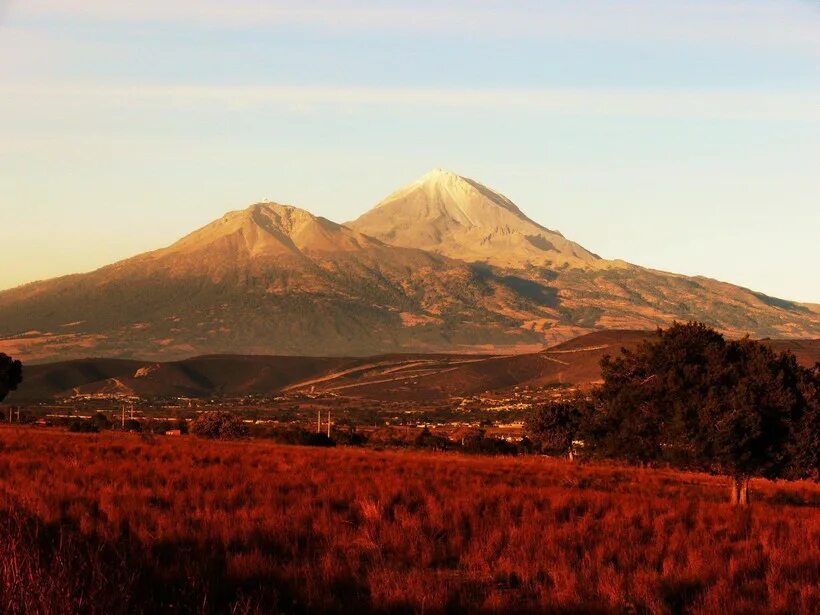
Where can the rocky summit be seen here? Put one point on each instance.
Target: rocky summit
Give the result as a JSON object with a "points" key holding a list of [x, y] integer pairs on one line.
{"points": [[459, 217]]}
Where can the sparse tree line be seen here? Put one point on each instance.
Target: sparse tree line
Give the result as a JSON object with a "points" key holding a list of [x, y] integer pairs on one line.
{"points": [[693, 400]]}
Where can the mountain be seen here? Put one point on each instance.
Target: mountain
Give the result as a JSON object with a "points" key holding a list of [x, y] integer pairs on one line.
{"points": [[275, 279], [389, 377], [261, 233], [458, 217], [268, 279]]}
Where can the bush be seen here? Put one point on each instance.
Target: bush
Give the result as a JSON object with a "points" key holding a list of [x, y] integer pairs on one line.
{"points": [[101, 421], [11, 375], [158, 426], [182, 425], [344, 432], [83, 426], [221, 425], [426, 439], [299, 437], [479, 444], [132, 425]]}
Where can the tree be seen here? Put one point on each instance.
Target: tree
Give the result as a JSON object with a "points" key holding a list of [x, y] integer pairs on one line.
{"points": [[344, 432], [747, 421], [83, 426], [182, 425], [11, 375], [804, 453], [554, 426], [479, 443], [101, 421], [132, 425], [696, 401], [427, 439], [650, 392], [222, 425]]}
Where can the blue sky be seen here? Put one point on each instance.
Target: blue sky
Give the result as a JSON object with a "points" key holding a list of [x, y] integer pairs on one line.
{"points": [[680, 135]]}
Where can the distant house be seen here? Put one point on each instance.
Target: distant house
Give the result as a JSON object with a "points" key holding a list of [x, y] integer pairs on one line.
{"points": [[173, 432]]}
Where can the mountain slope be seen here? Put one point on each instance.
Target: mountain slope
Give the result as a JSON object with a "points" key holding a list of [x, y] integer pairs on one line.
{"points": [[268, 279], [455, 216], [390, 377], [452, 215], [274, 279]]}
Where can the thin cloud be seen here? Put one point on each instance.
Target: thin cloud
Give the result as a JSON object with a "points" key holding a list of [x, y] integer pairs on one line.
{"points": [[787, 23], [663, 103]]}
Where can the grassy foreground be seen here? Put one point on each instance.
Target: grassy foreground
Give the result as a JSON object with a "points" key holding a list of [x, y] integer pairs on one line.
{"points": [[115, 523]]}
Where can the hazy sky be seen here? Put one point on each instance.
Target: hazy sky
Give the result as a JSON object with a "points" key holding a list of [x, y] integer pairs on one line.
{"points": [[680, 135]]}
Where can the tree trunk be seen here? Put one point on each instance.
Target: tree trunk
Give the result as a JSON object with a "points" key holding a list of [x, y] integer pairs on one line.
{"points": [[740, 490]]}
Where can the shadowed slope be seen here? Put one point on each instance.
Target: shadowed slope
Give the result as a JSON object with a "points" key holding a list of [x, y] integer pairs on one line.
{"points": [[387, 377]]}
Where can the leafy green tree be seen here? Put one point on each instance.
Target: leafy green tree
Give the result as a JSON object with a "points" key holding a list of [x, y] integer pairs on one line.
{"points": [[427, 439], [11, 375], [651, 392], [804, 444], [182, 425], [222, 425], [554, 427], [132, 425], [692, 399], [101, 421], [83, 426], [747, 422]]}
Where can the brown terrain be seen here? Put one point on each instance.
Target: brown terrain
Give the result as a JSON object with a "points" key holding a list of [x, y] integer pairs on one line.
{"points": [[386, 377], [443, 265]]}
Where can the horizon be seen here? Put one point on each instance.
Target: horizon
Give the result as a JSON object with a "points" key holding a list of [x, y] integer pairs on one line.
{"points": [[679, 138]]}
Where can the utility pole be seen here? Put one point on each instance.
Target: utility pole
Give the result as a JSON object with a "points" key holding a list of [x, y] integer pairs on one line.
{"points": [[123, 417], [328, 424], [319, 423]]}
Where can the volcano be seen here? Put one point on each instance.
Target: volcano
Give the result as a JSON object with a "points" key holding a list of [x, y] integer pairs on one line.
{"points": [[442, 265]]}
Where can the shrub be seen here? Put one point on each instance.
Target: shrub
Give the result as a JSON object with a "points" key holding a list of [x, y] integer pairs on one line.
{"points": [[11, 375], [426, 439], [182, 425], [83, 426], [299, 437], [221, 425], [480, 444], [101, 421], [132, 425]]}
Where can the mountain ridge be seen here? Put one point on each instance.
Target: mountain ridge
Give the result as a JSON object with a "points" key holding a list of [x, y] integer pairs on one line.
{"points": [[275, 279]]}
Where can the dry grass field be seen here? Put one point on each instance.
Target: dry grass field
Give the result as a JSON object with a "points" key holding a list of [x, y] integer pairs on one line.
{"points": [[115, 523]]}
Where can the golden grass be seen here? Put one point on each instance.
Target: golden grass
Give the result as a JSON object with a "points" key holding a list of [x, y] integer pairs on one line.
{"points": [[115, 523]]}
